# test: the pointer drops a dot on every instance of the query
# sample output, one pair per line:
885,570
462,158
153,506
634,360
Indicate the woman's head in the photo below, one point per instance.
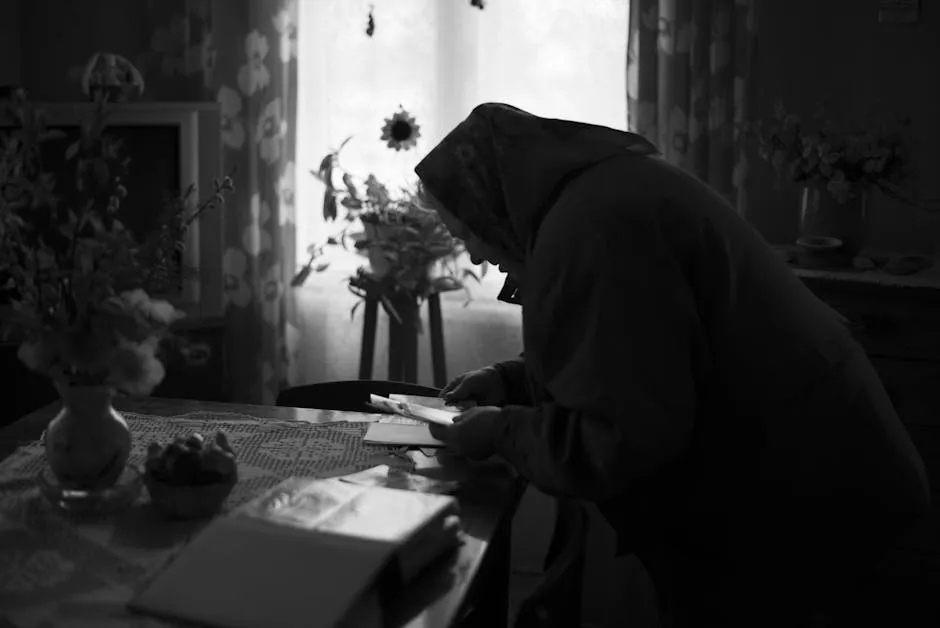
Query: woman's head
479,250
496,175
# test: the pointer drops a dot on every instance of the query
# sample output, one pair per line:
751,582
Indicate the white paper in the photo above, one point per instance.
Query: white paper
414,411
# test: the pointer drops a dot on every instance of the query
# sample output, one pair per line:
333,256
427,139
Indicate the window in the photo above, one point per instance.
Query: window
438,59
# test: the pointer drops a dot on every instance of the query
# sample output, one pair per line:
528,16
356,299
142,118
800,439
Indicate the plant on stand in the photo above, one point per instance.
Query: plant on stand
411,254
838,169
80,283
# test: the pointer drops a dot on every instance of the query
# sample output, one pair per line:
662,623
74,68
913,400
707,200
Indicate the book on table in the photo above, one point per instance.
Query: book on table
310,553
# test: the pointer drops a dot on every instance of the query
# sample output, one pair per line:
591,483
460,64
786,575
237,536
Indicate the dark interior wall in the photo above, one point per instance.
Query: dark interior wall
49,42
10,53
812,49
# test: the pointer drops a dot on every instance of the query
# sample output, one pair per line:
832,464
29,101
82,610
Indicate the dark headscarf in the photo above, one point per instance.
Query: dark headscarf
500,170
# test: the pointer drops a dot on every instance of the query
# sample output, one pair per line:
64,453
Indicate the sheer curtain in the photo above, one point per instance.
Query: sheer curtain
438,59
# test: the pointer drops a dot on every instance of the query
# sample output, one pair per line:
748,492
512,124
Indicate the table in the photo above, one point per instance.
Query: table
472,586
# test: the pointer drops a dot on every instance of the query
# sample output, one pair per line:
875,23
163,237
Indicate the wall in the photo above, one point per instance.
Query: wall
810,50
10,58
68,33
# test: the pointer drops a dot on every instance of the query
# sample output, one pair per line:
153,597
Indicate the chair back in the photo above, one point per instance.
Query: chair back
347,395
556,602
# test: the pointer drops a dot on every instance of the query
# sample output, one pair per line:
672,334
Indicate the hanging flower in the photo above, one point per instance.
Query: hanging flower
370,23
400,131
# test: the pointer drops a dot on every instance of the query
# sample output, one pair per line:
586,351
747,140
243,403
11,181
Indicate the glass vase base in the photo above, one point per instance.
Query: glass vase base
93,503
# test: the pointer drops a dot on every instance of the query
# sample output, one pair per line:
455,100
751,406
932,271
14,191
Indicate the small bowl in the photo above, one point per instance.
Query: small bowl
819,244
197,501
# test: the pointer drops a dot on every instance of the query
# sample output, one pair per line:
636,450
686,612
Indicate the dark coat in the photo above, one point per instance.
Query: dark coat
676,371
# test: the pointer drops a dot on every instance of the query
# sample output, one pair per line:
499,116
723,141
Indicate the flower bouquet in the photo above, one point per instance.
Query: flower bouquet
874,154
411,252
79,285
837,167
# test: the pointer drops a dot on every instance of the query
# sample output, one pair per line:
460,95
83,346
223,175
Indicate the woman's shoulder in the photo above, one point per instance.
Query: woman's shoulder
613,195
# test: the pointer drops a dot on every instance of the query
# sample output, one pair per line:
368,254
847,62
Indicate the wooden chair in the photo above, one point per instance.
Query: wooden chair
556,603
347,395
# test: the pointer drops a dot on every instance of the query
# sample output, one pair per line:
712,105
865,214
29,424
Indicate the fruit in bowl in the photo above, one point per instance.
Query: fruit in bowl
190,478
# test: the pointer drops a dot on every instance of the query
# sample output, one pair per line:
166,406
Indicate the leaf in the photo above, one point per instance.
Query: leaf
321,267
352,311
300,277
469,273
326,166
72,150
329,205
445,284
351,203
350,185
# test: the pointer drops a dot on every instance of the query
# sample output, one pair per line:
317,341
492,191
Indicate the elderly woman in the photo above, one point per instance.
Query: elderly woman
675,372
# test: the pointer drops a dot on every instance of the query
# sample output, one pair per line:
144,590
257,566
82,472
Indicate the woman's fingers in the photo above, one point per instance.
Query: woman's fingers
449,388
438,431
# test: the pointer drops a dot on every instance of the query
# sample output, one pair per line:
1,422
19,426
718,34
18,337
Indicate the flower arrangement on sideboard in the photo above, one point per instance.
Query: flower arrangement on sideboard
876,152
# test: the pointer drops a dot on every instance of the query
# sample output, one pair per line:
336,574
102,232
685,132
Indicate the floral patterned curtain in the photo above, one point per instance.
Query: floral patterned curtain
253,52
689,65
243,54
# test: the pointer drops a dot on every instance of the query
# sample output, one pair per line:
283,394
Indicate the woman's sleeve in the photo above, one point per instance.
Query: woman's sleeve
616,335
513,374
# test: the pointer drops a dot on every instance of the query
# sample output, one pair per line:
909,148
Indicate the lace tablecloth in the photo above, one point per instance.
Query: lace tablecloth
64,573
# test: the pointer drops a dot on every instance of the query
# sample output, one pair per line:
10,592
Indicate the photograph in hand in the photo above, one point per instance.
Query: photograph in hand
414,411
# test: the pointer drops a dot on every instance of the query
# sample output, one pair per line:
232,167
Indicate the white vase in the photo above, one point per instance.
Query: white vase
88,442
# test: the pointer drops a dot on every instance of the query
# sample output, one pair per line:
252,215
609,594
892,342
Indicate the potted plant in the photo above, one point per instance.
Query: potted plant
80,283
838,168
411,254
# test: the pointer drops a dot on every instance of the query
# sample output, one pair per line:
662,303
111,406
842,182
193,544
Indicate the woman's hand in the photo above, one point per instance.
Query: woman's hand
484,386
473,433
